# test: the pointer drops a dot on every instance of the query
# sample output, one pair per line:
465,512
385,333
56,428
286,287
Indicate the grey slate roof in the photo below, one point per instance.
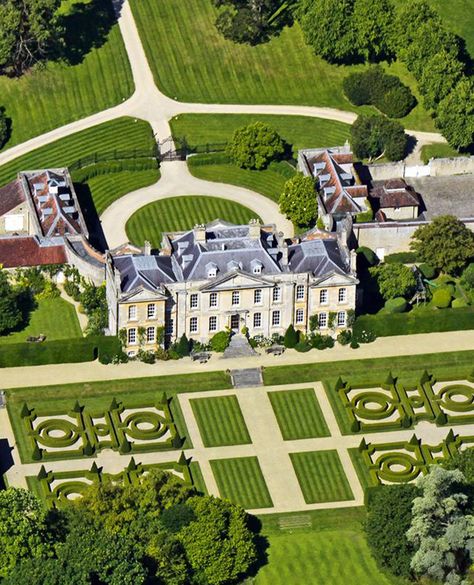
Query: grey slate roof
227,247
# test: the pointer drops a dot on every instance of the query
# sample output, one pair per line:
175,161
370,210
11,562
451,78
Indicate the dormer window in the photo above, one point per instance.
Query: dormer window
233,265
211,270
256,267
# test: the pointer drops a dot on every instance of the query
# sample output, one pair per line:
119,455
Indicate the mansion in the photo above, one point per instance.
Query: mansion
220,275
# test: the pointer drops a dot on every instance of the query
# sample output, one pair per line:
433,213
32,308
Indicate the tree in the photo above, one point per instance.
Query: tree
298,200
219,544
4,128
467,279
388,519
255,145
394,280
445,243
440,74
10,314
327,26
251,21
183,346
291,337
23,530
464,461
30,28
456,115
441,529
373,20
375,136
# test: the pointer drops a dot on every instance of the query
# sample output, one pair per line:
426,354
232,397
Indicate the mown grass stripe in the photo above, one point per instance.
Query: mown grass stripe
321,476
241,481
220,421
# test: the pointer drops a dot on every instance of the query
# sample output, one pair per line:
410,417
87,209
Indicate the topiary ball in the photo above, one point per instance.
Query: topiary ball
442,298
396,305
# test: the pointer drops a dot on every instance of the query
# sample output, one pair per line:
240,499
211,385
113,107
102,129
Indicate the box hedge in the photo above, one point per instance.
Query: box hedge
75,350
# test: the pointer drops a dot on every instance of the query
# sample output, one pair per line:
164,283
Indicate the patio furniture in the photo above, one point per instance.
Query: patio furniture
275,350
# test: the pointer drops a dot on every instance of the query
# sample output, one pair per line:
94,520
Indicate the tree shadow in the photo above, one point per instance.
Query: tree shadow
410,145
94,226
86,27
261,544
6,460
6,135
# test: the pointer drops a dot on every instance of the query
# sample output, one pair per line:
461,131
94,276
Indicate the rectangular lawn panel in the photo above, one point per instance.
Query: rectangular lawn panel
220,421
321,476
298,414
241,481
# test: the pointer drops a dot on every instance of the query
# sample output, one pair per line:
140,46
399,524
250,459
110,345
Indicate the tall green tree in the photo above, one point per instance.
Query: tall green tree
218,542
255,146
298,200
441,73
388,519
328,28
445,243
374,136
23,529
10,314
373,22
29,29
394,280
441,529
456,114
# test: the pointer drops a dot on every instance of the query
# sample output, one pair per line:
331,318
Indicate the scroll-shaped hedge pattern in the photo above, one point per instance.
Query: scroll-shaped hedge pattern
59,487
83,432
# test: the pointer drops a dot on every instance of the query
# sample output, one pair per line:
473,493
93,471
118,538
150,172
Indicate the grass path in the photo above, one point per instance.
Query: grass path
220,421
181,213
57,94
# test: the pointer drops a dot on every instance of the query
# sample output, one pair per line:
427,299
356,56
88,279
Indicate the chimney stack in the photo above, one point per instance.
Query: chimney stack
147,248
199,233
254,229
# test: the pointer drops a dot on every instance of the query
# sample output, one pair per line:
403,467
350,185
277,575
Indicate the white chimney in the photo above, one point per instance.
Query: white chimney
147,248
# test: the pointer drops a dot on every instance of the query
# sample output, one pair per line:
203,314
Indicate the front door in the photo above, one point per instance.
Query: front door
234,322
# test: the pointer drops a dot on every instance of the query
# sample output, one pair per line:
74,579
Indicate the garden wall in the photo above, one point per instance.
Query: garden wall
437,167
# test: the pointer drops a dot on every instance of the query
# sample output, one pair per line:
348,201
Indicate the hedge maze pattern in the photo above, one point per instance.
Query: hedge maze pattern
403,462
57,488
82,432
391,406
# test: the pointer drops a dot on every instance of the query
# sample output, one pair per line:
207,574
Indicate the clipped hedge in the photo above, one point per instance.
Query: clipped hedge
421,321
116,166
75,350
396,305
442,297
403,257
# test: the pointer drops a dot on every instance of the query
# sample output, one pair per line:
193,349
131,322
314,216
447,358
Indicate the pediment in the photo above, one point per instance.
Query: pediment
334,279
236,280
142,294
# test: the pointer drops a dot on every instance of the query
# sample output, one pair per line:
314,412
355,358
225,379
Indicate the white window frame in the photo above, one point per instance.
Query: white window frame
193,325
257,320
213,325
257,296
323,320
324,296
341,318
299,316
235,297
257,269
151,338
151,314
276,294
132,312
132,338
276,318
300,292
342,295
213,300
194,301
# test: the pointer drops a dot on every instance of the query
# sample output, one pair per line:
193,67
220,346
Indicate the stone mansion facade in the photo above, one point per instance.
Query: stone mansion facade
222,276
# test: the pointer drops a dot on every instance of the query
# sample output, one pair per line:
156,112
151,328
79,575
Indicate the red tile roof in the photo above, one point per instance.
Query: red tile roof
26,251
395,193
11,196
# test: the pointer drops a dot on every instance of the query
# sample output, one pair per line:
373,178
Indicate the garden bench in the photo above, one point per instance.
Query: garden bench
275,350
202,357
38,339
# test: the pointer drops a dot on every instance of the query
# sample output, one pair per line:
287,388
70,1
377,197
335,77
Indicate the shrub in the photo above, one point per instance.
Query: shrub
220,341
344,337
401,257
441,419
354,344
369,256
397,102
363,335
302,346
183,347
147,357
162,354
255,146
427,271
396,305
319,341
459,304
291,337
442,298
467,278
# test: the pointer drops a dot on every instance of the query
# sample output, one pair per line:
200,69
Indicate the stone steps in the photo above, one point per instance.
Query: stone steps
239,347
245,378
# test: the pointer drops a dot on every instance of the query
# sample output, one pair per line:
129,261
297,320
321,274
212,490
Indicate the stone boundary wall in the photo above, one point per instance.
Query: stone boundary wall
437,167
87,269
391,236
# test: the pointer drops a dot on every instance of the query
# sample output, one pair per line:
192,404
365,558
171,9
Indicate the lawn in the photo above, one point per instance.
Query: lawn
321,476
437,151
55,318
122,142
220,421
298,131
56,94
217,167
298,414
361,469
193,63
182,213
322,556
241,481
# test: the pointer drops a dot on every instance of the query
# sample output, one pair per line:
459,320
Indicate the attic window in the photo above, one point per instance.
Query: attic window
212,271
256,267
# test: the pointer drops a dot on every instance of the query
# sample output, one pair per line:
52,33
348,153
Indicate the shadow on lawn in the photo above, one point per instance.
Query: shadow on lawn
6,459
